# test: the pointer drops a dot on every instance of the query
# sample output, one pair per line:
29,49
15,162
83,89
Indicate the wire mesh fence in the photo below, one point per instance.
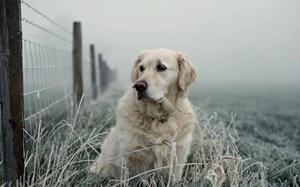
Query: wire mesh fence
48,77
48,67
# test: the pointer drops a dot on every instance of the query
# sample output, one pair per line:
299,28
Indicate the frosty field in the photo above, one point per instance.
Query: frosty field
268,123
247,136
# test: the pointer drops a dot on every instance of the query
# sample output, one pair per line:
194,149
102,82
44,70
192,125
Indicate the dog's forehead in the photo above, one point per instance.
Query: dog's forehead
162,55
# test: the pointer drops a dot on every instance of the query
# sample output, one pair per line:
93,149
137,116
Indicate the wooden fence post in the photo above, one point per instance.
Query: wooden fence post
102,73
77,62
11,91
93,72
106,75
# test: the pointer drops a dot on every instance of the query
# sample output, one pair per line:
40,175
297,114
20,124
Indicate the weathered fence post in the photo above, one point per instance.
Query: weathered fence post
104,77
77,62
102,73
11,91
93,72
107,74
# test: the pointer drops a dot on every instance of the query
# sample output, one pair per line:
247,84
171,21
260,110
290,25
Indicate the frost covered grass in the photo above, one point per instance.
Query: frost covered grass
267,121
61,155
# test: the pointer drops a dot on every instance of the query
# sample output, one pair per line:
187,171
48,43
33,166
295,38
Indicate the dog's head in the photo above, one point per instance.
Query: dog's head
158,72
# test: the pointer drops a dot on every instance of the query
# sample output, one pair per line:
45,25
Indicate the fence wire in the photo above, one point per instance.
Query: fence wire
46,17
47,54
47,74
47,67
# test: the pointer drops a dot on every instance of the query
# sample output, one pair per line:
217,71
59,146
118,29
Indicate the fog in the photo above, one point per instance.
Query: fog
255,41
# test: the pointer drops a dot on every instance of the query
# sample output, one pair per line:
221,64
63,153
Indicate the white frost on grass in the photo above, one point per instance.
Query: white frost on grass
62,154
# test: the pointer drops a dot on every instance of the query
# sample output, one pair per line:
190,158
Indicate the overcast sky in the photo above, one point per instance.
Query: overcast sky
227,40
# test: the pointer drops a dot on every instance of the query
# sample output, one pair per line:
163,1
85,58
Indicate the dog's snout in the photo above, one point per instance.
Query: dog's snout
141,86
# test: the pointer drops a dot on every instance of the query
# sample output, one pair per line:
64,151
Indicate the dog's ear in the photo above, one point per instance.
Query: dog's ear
187,72
135,69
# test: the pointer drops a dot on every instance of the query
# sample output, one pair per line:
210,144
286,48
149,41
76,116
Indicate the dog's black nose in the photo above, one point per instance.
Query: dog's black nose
140,86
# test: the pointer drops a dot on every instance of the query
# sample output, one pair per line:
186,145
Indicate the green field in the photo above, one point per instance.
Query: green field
247,136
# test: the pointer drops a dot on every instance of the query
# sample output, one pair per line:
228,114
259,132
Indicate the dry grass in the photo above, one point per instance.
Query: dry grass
61,155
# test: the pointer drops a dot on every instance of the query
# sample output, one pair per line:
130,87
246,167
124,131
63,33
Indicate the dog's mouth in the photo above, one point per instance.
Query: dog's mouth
141,95
145,96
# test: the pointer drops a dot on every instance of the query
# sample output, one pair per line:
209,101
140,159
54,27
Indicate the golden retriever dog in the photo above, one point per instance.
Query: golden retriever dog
154,119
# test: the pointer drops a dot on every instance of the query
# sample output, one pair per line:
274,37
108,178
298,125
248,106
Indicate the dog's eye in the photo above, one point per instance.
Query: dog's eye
142,68
161,67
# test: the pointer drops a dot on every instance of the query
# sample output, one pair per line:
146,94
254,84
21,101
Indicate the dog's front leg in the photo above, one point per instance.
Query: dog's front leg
179,164
161,155
182,152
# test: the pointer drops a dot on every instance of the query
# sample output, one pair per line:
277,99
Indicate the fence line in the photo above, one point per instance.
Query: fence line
47,78
48,75
46,17
27,21
46,108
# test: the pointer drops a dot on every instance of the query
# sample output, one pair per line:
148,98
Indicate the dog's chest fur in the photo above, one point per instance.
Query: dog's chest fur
153,123
155,136
153,130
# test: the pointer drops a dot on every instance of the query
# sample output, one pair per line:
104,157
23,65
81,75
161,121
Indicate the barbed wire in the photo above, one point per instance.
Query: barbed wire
46,17
45,30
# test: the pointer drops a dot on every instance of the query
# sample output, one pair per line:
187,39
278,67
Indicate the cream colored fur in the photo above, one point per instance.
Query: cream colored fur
146,130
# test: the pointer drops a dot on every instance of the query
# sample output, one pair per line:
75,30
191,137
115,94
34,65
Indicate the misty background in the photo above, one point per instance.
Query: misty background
248,58
228,41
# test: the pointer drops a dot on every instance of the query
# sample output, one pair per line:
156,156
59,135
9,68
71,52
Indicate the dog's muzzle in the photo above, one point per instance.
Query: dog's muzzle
141,87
